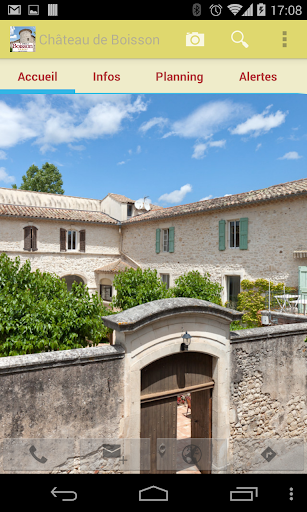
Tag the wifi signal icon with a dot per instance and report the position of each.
(235, 8)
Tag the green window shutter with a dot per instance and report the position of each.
(158, 240)
(171, 239)
(243, 232)
(222, 245)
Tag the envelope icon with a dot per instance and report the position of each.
(111, 451)
(14, 9)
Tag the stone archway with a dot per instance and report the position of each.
(70, 279)
(154, 330)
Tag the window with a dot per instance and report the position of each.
(165, 279)
(71, 240)
(237, 234)
(234, 234)
(30, 238)
(165, 233)
(168, 239)
(106, 292)
(233, 290)
(129, 210)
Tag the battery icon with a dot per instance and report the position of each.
(261, 10)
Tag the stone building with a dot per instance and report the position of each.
(256, 234)
(250, 235)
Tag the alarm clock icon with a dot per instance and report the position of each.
(215, 9)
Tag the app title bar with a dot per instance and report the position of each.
(151, 40)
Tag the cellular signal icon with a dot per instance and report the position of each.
(249, 11)
(235, 8)
(261, 10)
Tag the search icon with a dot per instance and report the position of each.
(240, 40)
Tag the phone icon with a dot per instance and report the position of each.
(42, 460)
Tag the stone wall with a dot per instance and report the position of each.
(66, 395)
(268, 387)
(273, 234)
(281, 318)
(102, 247)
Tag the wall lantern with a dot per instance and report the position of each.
(186, 342)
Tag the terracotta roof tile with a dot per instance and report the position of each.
(115, 266)
(275, 192)
(43, 212)
(121, 199)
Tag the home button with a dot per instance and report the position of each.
(153, 493)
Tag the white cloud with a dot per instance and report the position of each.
(260, 123)
(258, 146)
(208, 119)
(206, 198)
(200, 149)
(12, 34)
(177, 195)
(138, 150)
(227, 195)
(155, 121)
(12, 123)
(121, 163)
(2, 155)
(292, 155)
(5, 177)
(66, 119)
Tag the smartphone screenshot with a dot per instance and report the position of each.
(153, 253)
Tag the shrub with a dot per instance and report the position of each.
(137, 286)
(194, 285)
(38, 314)
(252, 299)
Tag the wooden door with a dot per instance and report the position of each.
(201, 421)
(161, 382)
(159, 420)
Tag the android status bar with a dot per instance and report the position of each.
(154, 11)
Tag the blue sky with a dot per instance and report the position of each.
(174, 148)
(14, 31)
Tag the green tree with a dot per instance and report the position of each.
(38, 314)
(47, 179)
(135, 287)
(195, 285)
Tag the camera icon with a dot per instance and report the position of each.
(195, 39)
